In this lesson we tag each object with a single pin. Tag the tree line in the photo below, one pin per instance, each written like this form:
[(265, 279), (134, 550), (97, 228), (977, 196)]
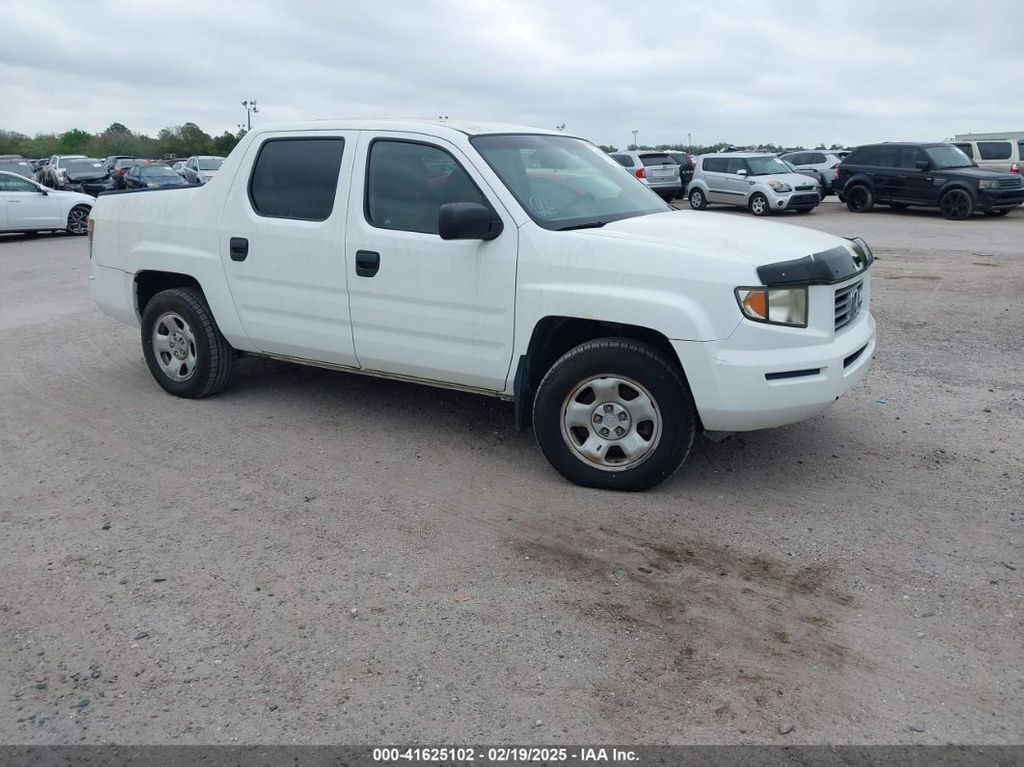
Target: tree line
[(177, 141)]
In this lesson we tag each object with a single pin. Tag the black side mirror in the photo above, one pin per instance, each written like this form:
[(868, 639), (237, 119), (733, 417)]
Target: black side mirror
[(468, 221), (923, 165)]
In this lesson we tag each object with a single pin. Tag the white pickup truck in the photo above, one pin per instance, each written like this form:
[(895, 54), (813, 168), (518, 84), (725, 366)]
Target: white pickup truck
[(513, 262)]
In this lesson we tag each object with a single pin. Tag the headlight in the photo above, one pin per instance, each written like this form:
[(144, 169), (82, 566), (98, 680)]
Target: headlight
[(776, 306), (988, 183), (779, 186)]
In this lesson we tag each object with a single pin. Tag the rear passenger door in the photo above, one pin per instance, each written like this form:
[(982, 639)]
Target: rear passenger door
[(713, 170), (887, 177), (423, 307), (283, 245)]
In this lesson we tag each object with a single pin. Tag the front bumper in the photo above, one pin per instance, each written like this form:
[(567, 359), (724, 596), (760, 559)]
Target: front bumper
[(803, 200), (989, 199), (743, 389)]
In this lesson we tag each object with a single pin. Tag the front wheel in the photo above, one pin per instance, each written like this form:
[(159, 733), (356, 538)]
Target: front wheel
[(956, 205), (615, 414), (759, 204), (184, 349), (78, 220)]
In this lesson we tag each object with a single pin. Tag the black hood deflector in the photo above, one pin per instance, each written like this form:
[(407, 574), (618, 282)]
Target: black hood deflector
[(825, 268)]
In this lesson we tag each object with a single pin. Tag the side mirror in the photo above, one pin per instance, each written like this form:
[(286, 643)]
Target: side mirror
[(467, 221), (923, 165), (741, 172)]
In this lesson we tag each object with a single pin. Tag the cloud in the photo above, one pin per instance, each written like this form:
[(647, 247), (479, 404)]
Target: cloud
[(738, 71)]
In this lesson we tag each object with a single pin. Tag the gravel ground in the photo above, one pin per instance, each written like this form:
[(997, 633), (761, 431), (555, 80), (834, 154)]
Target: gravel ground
[(315, 557)]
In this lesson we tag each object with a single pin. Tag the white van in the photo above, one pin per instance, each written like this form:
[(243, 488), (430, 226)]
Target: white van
[(994, 154)]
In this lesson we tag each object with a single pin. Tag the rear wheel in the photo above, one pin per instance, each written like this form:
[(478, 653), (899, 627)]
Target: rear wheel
[(697, 199), (956, 205), (78, 220), (859, 199), (614, 414), (759, 204), (184, 349)]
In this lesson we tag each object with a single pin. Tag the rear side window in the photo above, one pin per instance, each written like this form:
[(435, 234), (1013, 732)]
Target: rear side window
[(296, 178), (655, 159), (407, 183), (995, 150), (967, 149), (623, 159), (815, 159), (880, 156), (714, 164)]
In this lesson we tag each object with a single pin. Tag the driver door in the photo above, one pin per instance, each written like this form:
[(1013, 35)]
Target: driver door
[(737, 185), (27, 206), (423, 307)]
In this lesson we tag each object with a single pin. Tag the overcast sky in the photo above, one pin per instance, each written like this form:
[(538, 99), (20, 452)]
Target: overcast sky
[(725, 70)]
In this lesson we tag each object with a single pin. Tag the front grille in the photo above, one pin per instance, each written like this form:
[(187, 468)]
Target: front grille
[(803, 199), (849, 300), (804, 188)]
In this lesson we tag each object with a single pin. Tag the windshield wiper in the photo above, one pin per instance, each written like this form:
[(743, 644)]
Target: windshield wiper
[(587, 225)]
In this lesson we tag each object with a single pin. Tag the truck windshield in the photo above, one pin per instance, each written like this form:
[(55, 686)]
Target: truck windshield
[(564, 182)]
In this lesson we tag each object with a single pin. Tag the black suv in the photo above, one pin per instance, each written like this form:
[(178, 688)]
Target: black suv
[(927, 175)]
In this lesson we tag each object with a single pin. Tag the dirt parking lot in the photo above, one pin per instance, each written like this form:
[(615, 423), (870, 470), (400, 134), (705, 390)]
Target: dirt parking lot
[(315, 557)]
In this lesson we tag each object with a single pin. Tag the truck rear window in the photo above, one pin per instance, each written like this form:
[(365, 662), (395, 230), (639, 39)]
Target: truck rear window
[(296, 178)]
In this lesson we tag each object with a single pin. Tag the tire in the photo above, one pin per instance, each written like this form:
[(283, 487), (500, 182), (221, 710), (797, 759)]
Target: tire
[(998, 212), (205, 360), (956, 205), (759, 205), (614, 384), (898, 205), (859, 199), (78, 220), (697, 200)]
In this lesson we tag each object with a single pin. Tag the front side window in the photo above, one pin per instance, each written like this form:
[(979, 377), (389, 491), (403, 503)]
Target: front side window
[(564, 182), (296, 178), (947, 156), (12, 184), (407, 183), (995, 150), (735, 164), (909, 157)]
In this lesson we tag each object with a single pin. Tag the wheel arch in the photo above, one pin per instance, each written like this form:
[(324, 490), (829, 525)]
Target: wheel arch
[(149, 282), (554, 335)]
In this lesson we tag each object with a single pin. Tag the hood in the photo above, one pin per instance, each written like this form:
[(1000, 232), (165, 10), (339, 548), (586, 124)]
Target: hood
[(973, 173), (722, 235), (71, 196), (789, 178)]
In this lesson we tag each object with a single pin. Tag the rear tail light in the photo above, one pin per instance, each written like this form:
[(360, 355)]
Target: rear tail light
[(1015, 168), (641, 173)]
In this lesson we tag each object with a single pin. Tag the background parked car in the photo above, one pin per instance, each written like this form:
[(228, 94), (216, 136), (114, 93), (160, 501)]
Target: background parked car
[(995, 154), (87, 176), (52, 174), (656, 169), (825, 163), (685, 163), (15, 164), (760, 182), (121, 167), (108, 163), (179, 168), (201, 168), (152, 175), (27, 206), (927, 175)]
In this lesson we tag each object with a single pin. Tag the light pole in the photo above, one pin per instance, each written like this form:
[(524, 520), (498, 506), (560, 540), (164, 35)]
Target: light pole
[(635, 145), (689, 143), (250, 107)]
